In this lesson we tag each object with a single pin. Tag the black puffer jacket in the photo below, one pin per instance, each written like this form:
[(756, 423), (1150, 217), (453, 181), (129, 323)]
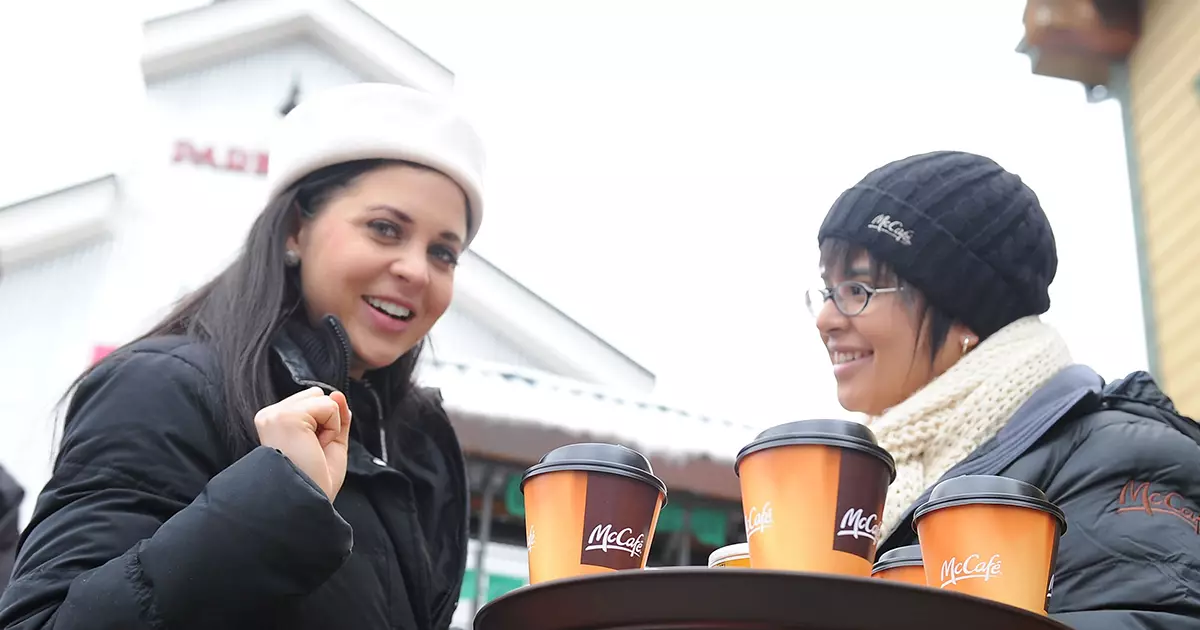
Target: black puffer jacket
[(151, 521), (1125, 467), (11, 495)]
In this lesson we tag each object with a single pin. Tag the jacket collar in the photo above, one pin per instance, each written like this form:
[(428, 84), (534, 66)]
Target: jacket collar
[(1080, 387), (1139, 394), (315, 356), (320, 356), (1076, 386)]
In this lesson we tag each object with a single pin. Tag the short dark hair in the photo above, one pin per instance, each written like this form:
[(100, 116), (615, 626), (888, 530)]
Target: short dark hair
[(840, 254)]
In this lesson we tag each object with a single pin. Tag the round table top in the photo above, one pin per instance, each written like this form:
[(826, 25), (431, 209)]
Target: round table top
[(744, 599)]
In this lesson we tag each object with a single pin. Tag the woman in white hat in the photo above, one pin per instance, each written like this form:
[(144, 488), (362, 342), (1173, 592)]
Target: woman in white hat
[(262, 458)]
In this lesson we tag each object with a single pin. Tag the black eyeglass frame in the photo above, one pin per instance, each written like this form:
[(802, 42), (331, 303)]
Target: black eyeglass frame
[(828, 293)]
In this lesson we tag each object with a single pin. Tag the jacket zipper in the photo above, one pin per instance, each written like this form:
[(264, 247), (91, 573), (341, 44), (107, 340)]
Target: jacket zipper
[(345, 346), (383, 449)]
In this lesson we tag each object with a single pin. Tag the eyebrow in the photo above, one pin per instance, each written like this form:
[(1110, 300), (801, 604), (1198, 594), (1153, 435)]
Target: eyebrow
[(403, 217)]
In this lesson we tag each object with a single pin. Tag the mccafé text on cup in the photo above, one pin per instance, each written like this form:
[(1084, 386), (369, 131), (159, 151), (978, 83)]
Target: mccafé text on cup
[(812, 496), (902, 564), (735, 555), (991, 537), (590, 508)]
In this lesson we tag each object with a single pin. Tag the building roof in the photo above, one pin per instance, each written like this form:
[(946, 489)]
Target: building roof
[(542, 330), (52, 222), (517, 415), (207, 35), (524, 396)]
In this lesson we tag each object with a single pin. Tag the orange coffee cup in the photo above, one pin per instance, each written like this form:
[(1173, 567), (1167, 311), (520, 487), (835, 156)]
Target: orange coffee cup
[(812, 495), (735, 555), (991, 537), (590, 508), (902, 564)]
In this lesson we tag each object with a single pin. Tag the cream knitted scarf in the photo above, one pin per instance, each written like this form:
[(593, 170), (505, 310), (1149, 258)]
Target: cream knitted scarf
[(945, 421)]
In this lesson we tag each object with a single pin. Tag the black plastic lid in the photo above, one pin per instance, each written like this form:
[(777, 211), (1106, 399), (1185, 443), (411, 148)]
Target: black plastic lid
[(989, 490), (908, 556), (597, 457), (840, 433)]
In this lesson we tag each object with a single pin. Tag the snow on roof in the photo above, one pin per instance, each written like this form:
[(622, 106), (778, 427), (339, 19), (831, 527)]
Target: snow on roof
[(510, 394)]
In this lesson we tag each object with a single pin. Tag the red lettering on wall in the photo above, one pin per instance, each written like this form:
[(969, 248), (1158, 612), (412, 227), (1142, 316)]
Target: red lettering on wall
[(234, 159), (187, 152)]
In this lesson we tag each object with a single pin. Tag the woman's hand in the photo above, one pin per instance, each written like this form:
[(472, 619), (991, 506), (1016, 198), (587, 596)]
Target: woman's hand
[(312, 430)]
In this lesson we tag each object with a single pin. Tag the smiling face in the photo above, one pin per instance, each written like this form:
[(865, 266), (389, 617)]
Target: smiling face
[(882, 355), (380, 256)]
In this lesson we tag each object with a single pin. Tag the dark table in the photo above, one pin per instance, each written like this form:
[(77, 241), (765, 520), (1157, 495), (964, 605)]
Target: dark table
[(745, 599)]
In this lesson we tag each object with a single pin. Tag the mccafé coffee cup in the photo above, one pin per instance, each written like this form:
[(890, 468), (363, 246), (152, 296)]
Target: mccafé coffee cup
[(735, 555), (590, 508), (991, 537), (812, 495), (902, 564)]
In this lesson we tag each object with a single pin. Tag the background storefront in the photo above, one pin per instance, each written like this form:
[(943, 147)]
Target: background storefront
[(519, 376)]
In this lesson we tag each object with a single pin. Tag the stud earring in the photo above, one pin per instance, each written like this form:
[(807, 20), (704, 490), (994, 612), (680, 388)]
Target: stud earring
[(966, 344), (291, 258)]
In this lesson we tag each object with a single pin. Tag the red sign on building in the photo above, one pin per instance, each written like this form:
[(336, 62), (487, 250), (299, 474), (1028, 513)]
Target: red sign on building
[(231, 158)]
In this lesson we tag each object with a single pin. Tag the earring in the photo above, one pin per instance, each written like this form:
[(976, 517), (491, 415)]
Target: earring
[(291, 258), (966, 344)]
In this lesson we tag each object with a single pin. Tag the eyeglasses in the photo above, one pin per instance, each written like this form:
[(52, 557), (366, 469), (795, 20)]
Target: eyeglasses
[(850, 297)]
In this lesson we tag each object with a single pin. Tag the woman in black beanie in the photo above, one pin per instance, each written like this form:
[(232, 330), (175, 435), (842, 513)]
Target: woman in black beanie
[(936, 269)]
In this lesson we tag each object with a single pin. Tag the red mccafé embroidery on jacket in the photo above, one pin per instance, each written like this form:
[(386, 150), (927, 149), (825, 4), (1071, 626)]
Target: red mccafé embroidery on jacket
[(1139, 496)]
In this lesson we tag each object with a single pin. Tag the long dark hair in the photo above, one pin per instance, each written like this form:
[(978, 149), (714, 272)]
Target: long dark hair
[(240, 310)]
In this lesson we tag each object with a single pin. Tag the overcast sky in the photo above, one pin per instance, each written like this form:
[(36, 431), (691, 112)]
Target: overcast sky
[(658, 168)]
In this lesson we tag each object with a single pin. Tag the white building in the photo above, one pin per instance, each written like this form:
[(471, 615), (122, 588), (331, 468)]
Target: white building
[(90, 265)]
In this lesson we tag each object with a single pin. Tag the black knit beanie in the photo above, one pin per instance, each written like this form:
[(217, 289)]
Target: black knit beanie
[(967, 233)]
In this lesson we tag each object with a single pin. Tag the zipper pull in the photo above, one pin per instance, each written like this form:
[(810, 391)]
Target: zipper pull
[(378, 403)]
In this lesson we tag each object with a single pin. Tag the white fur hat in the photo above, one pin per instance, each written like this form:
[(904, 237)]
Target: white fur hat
[(378, 120)]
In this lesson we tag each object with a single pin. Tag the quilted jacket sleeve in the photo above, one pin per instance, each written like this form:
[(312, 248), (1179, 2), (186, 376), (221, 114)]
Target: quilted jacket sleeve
[(144, 524), (1129, 556)]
